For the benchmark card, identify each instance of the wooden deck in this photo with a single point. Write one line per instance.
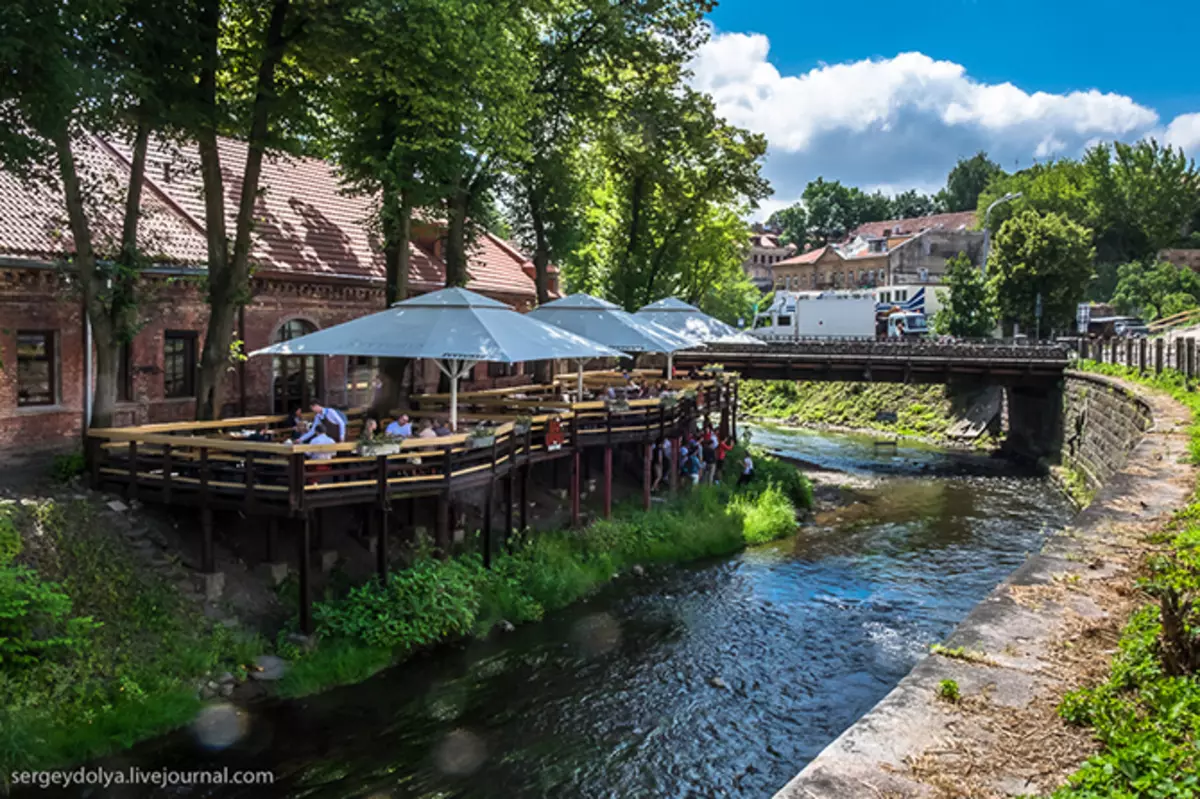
(204, 465)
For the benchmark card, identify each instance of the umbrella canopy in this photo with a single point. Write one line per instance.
(688, 320)
(605, 322)
(456, 327)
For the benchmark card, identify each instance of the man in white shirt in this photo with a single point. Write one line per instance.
(331, 418)
(320, 437)
(747, 470)
(401, 428)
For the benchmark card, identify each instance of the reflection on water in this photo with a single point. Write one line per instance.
(717, 679)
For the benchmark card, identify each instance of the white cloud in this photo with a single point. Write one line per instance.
(902, 122)
(1184, 132)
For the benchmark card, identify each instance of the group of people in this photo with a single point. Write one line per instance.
(329, 425)
(700, 459)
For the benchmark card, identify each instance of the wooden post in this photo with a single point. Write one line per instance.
(575, 488)
(207, 559)
(524, 496)
(1191, 357)
(488, 511)
(131, 490)
(508, 505)
(1142, 355)
(95, 451)
(167, 469)
(249, 498)
(608, 477)
(305, 581)
(676, 443)
(381, 537)
(1129, 352)
(734, 413)
(204, 474)
(443, 525)
(1158, 356)
(1083, 348)
(646, 468)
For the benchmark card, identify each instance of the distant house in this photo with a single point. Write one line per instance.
(766, 250)
(317, 263)
(897, 252)
(1182, 258)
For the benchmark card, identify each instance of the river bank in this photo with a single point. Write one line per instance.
(1068, 660)
(104, 642)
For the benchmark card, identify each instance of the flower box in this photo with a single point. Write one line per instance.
(373, 449)
(617, 405)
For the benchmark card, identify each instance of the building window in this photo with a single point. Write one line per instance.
(924, 275)
(37, 372)
(902, 295)
(496, 369)
(296, 380)
(125, 372)
(179, 364)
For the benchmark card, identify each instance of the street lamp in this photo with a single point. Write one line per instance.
(987, 231)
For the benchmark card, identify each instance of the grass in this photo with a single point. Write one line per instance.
(1146, 715)
(437, 601)
(948, 690)
(129, 673)
(960, 653)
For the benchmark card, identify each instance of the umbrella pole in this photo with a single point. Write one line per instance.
(670, 365)
(579, 381)
(454, 396)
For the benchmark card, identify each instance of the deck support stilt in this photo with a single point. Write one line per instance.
(575, 466)
(381, 541)
(508, 508)
(305, 577)
(207, 559)
(489, 509)
(646, 469)
(443, 526)
(524, 497)
(608, 477)
(676, 443)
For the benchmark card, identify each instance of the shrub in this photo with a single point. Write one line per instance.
(35, 620)
(66, 467)
(766, 517)
(948, 690)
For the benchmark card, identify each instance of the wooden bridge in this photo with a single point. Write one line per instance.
(212, 466)
(997, 362)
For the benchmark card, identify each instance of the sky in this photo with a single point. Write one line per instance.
(886, 96)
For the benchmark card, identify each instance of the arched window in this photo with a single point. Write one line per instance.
(296, 381)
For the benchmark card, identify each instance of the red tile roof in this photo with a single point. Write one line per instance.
(305, 223)
(961, 219)
(810, 257)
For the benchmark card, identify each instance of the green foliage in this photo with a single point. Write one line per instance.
(948, 690)
(1147, 713)
(116, 648)
(65, 467)
(1040, 254)
(966, 310)
(924, 411)
(834, 210)
(1155, 290)
(966, 181)
(767, 516)
(792, 222)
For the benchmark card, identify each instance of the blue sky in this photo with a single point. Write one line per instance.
(889, 96)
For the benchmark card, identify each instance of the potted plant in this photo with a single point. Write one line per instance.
(616, 405)
(668, 400)
(480, 437)
(522, 424)
(378, 444)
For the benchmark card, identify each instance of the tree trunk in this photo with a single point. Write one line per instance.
(229, 286)
(456, 237)
(397, 228)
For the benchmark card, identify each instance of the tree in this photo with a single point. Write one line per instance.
(966, 181)
(1040, 254)
(834, 210)
(966, 310)
(911, 205)
(1154, 291)
(793, 224)
(76, 68)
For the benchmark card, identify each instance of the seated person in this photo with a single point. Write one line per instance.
(295, 424)
(441, 428)
(369, 429)
(333, 419)
(320, 437)
(401, 428)
(262, 434)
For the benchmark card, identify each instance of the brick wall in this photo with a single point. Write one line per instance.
(36, 299)
(1102, 423)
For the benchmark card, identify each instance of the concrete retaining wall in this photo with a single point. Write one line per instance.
(1103, 420)
(1134, 444)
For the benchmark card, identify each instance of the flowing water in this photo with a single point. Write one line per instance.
(721, 678)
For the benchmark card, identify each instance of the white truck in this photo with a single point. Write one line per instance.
(806, 314)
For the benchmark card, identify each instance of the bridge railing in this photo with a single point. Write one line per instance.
(1012, 349)
(1146, 355)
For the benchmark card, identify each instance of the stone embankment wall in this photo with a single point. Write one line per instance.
(1134, 445)
(1103, 420)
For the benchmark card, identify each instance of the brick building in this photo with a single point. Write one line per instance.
(317, 263)
(766, 250)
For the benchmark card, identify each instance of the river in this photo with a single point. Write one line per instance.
(721, 678)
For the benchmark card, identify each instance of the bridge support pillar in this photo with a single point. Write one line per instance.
(608, 477)
(575, 466)
(1035, 416)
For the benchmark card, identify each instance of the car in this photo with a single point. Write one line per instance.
(1131, 328)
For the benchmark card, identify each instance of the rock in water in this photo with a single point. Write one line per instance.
(717, 682)
(269, 668)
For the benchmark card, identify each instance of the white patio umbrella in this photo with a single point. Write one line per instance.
(456, 327)
(689, 321)
(605, 322)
